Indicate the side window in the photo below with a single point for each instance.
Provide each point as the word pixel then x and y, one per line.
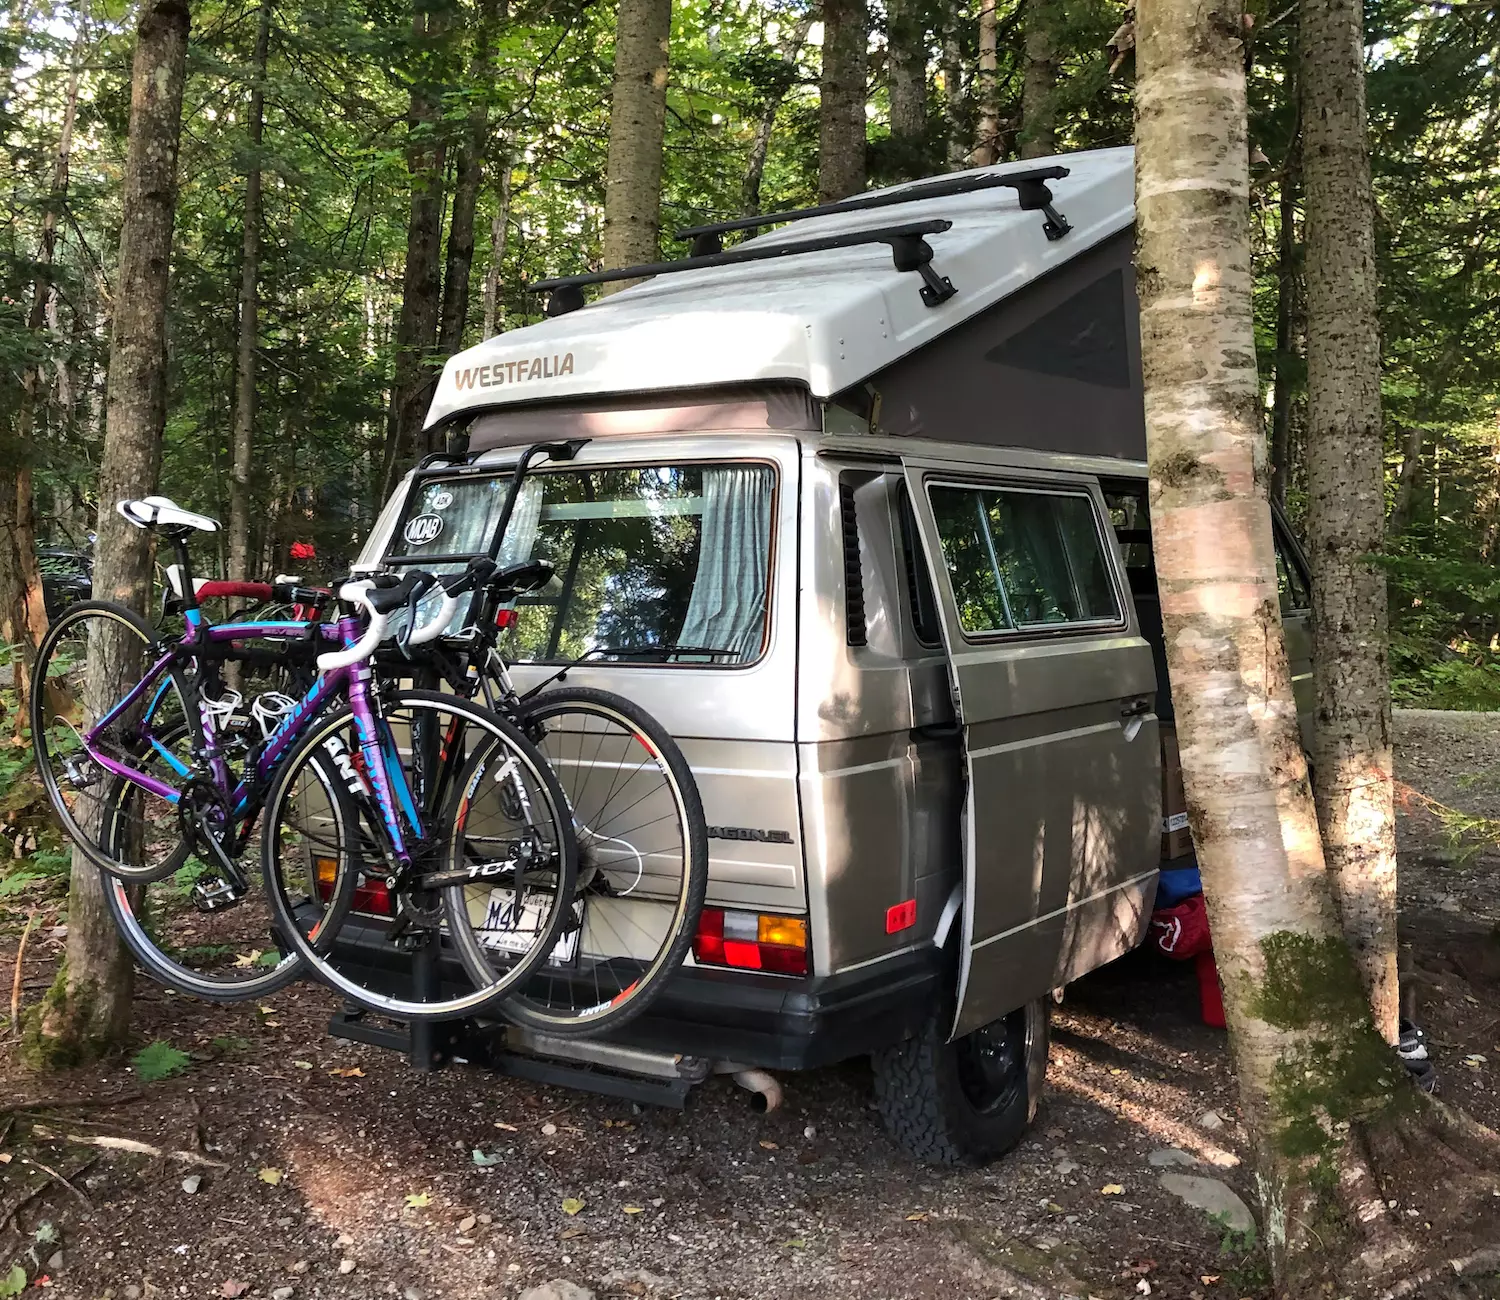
pixel 1023 559
pixel 919 592
pixel 1290 584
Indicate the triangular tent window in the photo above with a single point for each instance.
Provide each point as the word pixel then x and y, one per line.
pixel 1082 338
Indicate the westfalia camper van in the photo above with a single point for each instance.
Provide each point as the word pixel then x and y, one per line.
pixel 895 448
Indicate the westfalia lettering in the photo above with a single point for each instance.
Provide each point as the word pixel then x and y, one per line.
pixel 513 372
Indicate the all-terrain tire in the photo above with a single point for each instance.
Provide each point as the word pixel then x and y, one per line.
pixel 921 1095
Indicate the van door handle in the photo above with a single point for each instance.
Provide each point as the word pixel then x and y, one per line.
pixel 1136 708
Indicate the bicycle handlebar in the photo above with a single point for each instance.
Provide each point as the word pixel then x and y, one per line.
pixel 357 593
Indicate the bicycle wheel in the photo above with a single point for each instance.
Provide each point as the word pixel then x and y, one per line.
pixel 69 697
pixel 642 862
pixel 493 858
pixel 185 935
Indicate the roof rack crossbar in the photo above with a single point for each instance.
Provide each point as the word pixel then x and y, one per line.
pixel 1030 186
pixel 910 251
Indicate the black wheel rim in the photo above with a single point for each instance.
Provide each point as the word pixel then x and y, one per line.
pixel 992 1064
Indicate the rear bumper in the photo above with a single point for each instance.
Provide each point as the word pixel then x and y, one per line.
pixel 774 1022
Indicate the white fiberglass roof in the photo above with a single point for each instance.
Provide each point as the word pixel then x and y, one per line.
pixel 825 319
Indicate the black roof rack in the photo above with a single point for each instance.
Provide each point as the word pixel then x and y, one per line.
pixel 910 251
pixel 1030 187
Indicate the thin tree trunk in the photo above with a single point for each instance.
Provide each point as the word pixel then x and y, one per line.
pixel 1288 328
pixel 755 168
pixel 637 125
pixel 469 173
pixel 987 130
pixel 1351 749
pixel 953 88
pixel 1412 440
pixel 494 310
pixel 906 41
pixel 841 109
pixel 23 610
pixel 1039 87
pixel 421 283
pixel 87 1010
pixel 1291 989
pixel 249 336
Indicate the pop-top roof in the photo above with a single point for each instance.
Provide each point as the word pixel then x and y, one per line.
pixel 825 319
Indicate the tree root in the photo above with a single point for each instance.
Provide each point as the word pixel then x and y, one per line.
pixel 1384 1245
pixel 1459 1130
pixel 1477 1262
pixel 132 1145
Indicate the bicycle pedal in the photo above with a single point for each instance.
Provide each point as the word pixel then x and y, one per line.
pixel 216 895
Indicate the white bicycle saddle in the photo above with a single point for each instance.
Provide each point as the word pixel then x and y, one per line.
pixel 156 512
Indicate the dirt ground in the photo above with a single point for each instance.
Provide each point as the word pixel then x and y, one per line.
pixel 303 1166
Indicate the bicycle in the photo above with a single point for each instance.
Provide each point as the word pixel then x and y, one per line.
pixel 140 780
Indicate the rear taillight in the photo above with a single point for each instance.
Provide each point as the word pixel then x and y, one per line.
pixel 750 941
pixel 370 895
pixel 505 619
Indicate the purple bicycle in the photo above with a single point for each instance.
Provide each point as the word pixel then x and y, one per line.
pixel 161 774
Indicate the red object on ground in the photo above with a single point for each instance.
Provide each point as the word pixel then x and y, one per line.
pixel 1181 933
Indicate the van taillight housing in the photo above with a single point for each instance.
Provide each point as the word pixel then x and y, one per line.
pixel 750 941
pixel 505 618
pixel 370 895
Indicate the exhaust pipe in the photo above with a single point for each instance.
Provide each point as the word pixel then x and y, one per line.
pixel 765 1087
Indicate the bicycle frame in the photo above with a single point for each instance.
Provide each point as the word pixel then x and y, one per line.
pixel 353 682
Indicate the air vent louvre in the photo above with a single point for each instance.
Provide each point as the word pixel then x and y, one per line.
pixel 854 578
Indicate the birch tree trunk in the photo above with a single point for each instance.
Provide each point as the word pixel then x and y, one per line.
pixel 499 224
pixel 249 335
pixel 637 125
pixel 906 43
pixel 23 608
pixel 1288 328
pixel 421 281
pixel 755 168
pixel 87 1010
pixel 1039 87
pixel 1351 746
pixel 987 130
pixel 953 88
pixel 1304 1047
pixel 841 89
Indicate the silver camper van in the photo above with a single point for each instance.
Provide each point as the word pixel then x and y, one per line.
pixel 878 555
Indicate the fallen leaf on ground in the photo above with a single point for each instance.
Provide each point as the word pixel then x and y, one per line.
pixel 1054 1207
pixel 303 1065
pixel 352 1072
pixel 270 1175
pixel 767 1145
pixel 509 1128
pixel 242 960
pixel 417 1200
pixel 919 1217
pixel 567 1234
pixel 635 1209
pixel 234 1288
pixel 571 1205
pixel 1209 1279
pixel 1474 1060
pixel 484 1161
pixel 1111 1189
pixel 5 1157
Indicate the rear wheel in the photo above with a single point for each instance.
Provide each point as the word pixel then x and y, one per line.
pixel 969 1101
pixel 91 659
pixel 642 862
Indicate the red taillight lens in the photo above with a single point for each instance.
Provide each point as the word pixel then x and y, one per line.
pixel 370 895
pixel 505 619
pixel 749 941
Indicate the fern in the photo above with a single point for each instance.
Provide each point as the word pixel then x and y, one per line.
pixel 159 1060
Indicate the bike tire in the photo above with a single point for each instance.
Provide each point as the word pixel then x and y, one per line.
pixel 495 741
pixel 649 822
pixel 115 634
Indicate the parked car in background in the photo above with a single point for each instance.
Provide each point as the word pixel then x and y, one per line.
pixel 67 576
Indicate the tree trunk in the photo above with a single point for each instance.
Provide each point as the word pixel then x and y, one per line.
pixel 494 310
pixel 88 1008
pixel 1351 749
pixel 1288 322
pixel 791 51
pixel 23 609
pixel 421 284
pixel 953 88
pixel 906 41
pixel 1300 1032
pixel 1039 87
pixel 469 173
pixel 637 123
pixel 841 104
pixel 987 130
pixel 1406 484
pixel 249 336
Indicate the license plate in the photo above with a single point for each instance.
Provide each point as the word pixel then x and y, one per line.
pixel 508 929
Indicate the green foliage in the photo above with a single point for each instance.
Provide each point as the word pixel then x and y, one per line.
pixel 158 1060
pixel 14 1282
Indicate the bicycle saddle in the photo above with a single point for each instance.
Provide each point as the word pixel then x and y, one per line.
pixel 162 512
pixel 526 576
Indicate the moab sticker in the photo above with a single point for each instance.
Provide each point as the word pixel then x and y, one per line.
pixel 423 529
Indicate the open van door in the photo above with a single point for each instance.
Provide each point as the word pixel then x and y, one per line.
pixel 1055 691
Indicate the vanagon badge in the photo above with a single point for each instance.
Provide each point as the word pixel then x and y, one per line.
pixel 423 529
